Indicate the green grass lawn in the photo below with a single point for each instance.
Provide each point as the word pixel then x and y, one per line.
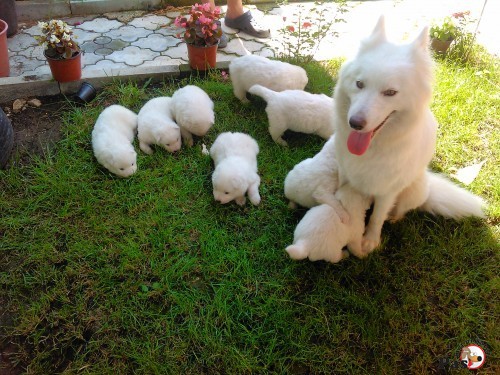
pixel 149 275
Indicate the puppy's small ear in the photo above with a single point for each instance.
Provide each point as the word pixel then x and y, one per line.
pixel 377 36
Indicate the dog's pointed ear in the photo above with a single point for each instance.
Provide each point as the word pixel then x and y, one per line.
pixel 377 36
pixel 421 43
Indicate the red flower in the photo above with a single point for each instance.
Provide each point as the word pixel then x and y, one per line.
pixel 305 25
pixel 291 28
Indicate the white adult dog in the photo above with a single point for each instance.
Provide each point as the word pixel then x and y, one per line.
pixel 314 181
pixel 386 133
pixel 320 235
pixel 296 110
pixel 193 111
pixel 249 70
pixel 112 138
pixel 235 174
pixel 157 127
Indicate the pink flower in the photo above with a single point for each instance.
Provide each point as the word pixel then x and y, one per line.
pixel 204 20
pixel 206 7
pixel 284 18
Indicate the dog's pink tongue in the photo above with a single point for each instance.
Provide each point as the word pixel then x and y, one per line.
pixel 358 143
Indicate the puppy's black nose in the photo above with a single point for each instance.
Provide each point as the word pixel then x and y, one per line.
pixel 357 122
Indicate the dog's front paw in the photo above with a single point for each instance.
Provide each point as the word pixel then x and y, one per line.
pixel 369 243
pixel 240 201
pixel 344 217
pixel 255 200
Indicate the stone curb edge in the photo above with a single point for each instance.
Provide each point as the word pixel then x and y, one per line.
pixel 22 87
pixel 34 10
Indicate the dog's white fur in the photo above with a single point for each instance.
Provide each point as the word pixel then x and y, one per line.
pixel 249 70
pixel 193 111
pixel 320 235
pixel 315 180
pixel 388 87
pixel 156 126
pixel 112 137
pixel 296 110
pixel 235 173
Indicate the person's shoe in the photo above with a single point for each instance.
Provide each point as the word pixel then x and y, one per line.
pixel 223 40
pixel 247 24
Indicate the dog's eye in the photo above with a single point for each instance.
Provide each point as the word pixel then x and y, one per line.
pixel 122 169
pixel 132 164
pixel 360 84
pixel 390 92
pixel 168 144
pixel 226 192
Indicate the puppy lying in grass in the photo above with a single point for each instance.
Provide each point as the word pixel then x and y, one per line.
pixel 193 110
pixel 112 137
pixel 250 70
pixel 296 110
pixel 235 174
pixel 315 180
pixel 156 126
pixel 320 235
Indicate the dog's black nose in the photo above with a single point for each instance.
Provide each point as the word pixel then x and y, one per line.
pixel 357 122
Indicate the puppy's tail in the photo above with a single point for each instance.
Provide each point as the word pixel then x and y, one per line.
pixel 447 199
pixel 298 250
pixel 262 91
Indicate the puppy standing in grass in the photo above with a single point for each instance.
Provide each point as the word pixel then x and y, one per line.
pixel 112 138
pixel 296 110
pixel 321 235
pixel 250 70
pixel 193 111
pixel 156 126
pixel 235 174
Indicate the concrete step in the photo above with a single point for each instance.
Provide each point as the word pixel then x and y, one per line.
pixel 33 10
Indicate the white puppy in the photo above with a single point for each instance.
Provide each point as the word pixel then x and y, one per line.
pixel 321 235
pixel 156 126
pixel 112 138
pixel 298 111
pixel 235 174
pixel 315 180
pixel 250 70
pixel 193 110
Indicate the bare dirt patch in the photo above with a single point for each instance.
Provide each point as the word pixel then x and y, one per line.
pixel 35 128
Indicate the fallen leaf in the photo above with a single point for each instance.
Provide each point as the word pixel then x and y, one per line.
pixel 468 174
pixel 204 150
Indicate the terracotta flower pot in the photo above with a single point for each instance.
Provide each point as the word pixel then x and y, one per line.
pixel 66 70
pixel 202 58
pixel 440 46
pixel 4 51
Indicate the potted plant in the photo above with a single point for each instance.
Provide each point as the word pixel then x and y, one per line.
pixel 61 51
pixel 202 34
pixel 442 33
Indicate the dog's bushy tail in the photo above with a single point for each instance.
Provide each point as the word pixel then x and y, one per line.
pixel 262 91
pixel 447 199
